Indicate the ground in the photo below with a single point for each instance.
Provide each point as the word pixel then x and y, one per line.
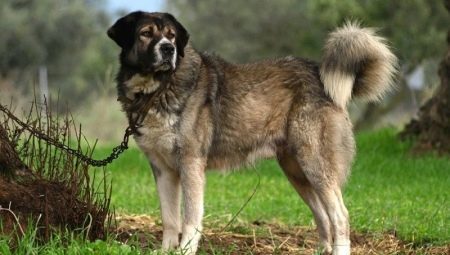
pixel 259 238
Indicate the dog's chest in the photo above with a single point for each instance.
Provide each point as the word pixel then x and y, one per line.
pixel 158 135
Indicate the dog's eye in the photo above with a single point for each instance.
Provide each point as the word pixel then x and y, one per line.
pixel 146 34
pixel 170 35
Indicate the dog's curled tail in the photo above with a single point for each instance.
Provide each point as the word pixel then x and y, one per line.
pixel 357 62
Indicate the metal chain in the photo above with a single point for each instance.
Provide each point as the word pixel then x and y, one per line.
pixel 116 151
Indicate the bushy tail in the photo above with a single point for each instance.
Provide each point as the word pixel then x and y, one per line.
pixel 357 62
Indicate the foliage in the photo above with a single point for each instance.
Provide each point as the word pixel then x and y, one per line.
pixel 66 36
pixel 257 29
pixel 432 127
pixel 250 30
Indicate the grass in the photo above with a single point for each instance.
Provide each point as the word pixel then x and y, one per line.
pixel 389 191
pixel 64 244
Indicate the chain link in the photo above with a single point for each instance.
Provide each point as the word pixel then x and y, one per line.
pixel 116 151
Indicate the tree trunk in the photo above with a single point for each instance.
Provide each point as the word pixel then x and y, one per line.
pixel 432 128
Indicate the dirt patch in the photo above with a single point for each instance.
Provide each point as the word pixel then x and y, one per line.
pixel 48 204
pixel 260 238
pixel 43 185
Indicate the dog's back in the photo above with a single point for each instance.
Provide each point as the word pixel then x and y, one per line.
pixel 251 105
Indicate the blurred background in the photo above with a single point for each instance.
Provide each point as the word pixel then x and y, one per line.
pixel 58 49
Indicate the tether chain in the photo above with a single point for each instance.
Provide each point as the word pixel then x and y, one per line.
pixel 116 151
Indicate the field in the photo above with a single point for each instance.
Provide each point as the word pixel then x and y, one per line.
pixel 398 204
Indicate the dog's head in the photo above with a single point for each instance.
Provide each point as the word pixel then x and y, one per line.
pixel 150 42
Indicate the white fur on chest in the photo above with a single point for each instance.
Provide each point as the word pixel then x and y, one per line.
pixel 158 137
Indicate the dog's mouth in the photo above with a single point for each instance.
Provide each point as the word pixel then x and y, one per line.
pixel 164 65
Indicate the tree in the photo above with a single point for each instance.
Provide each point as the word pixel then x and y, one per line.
pixel 254 29
pixel 68 37
pixel 432 128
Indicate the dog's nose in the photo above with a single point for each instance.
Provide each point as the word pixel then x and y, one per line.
pixel 167 49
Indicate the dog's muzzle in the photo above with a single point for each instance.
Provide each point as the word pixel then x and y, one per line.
pixel 167 50
pixel 166 55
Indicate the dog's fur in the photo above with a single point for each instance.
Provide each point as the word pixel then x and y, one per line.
pixel 198 112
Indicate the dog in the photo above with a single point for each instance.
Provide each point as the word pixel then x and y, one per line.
pixel 196 111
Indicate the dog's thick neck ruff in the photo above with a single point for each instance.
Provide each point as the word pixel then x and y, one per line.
pixel 162 91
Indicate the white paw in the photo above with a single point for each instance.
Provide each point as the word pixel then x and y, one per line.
pixel 170 240
pixel 190 239
pixel 188 248
pixel 343 249
pixel 324 248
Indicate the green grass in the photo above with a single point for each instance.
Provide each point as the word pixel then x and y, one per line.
pixel 392 190
pixel 63 244
pixel 389 190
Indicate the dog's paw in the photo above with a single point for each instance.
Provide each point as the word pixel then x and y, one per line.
pixel 341 249
pixel 324 249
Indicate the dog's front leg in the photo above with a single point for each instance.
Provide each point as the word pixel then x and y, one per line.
pixel 168 185
pixel 192 174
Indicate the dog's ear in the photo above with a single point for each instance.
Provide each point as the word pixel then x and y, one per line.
pixel 182 37
pixel 122 32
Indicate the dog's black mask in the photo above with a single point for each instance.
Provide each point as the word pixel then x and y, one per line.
pixel 150 42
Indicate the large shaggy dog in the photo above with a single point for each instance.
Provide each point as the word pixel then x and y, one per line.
pixel 198 112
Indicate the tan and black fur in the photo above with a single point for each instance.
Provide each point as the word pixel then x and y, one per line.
pixel 197 112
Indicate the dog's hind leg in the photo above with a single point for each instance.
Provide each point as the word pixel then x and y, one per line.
pixel 169 191
pixel 337 212
pixel 324 148
pixel 296 177
pixel 329 194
